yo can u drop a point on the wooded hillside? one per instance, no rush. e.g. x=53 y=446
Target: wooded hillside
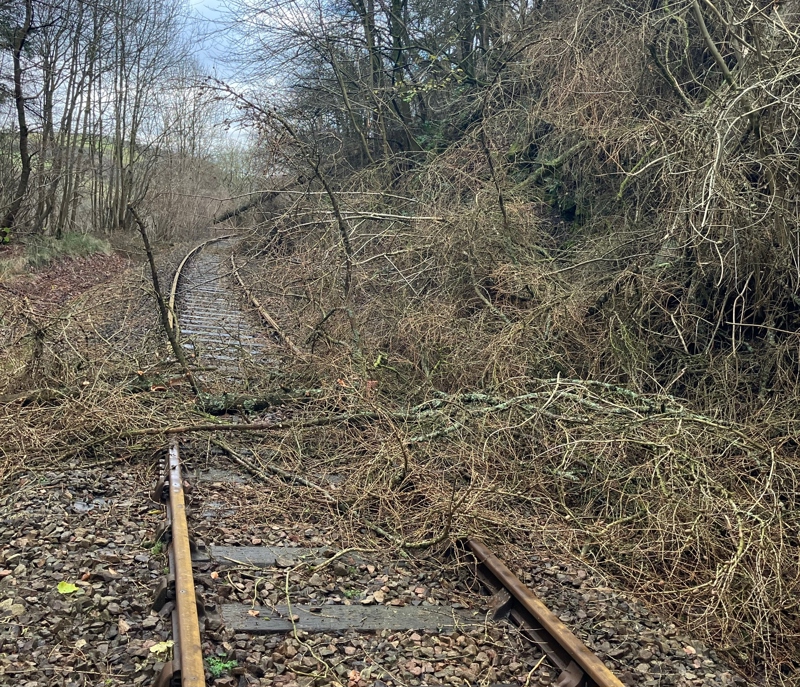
x=101 y=107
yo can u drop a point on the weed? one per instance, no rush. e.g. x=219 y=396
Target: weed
x=216 y=666
x=158 y=548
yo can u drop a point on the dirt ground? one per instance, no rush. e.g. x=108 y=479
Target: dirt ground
x=60 y=282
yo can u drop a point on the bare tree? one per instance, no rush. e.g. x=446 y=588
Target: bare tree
x=19 y=37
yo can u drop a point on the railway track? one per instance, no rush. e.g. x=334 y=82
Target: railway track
x=213 y=327
x=307 y=591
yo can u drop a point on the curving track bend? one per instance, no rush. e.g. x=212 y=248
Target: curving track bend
x=221 y=336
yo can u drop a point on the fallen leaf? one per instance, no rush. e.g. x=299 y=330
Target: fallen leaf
x=9 y=607
x=86 y=576
x=254 y=613
x=66 y=587
x=161 y=647
x=214 y=575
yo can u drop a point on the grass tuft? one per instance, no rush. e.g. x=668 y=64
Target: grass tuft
x=43 y=250
x=40 y=251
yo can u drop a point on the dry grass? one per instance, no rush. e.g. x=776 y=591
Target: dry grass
x=98 y=354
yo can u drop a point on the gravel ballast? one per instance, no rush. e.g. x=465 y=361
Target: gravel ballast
x=91 y=530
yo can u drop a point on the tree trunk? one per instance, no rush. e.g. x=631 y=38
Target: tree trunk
x=20 y=37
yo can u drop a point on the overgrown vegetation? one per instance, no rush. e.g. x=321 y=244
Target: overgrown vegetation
x=584 y=212
x=544 y=257
x=43 y=250
x=40 y=251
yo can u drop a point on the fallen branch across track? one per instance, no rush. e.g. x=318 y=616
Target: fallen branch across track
x=436 y=409
x=263 y=313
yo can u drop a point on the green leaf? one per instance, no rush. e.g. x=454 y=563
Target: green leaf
x=66 y=588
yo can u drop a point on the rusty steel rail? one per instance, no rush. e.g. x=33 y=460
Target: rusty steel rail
x=177 y=277
x=512 y=600
x=186 y=668
x=578 y=665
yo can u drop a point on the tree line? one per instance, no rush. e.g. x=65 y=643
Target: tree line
x=660 y=132
x=101 y=108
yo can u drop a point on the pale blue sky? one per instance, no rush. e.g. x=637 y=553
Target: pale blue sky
x=212 y=47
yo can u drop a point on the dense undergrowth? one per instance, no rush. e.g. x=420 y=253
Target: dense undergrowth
x=562 y=412
x=602 y=245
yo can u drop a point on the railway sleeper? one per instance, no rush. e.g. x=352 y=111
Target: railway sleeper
x=175 y=595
